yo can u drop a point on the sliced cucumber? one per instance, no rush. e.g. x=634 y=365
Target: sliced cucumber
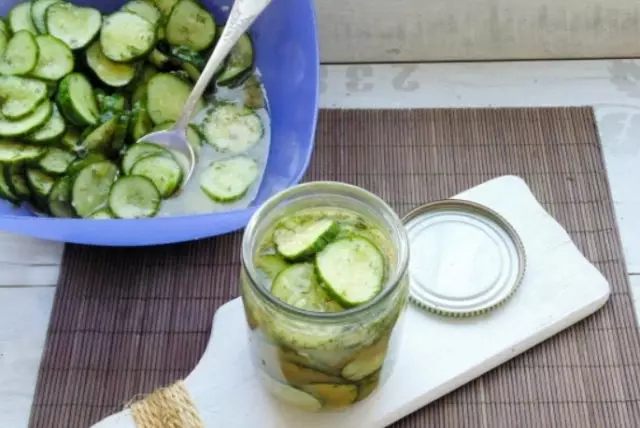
x=109 y=72
x=6 y=192
x=134 y=196
x=99 y=139
x=112 y=104
x=126 y=36
x=60 y=198
x=139 y=151
x=368 y=361
x=56 y=161
x=14 y=152
x=55 y=60
x=120 y=136
x=140 y=88
x=141 y=124
x=160 y=60
x=38 y=11
x=232 y=129
x=253 y=94
x=21 y=54
x=297 y=286
x=14 y=175
x=164 y=172
x=80 y=164
x=51 y=131
x=166 y=97
x=299 y=375
x=40 y=185
x=144 y=9
x=165 y=6
x=4 y=41
x=271 y=265
x=19 y=96
x=28 y=124
x=104 y=214
x=90 y=190
x=305 y=240
x=240 y=63
x=333 y=396
x=352 y=270
x=4 y=27
x=76 y=100
x=190 y=25
x=193 y=137
x=20 y=18
x=229 y=180
x=74 y=25
x=71 y=139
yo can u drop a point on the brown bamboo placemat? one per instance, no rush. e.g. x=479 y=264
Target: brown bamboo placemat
x=127 y=321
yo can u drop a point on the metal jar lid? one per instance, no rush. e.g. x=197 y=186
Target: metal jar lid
x=466 y=259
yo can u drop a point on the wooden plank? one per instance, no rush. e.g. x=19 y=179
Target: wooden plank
x=353 y=31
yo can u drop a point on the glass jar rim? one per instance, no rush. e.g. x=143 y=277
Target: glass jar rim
x=371 y=199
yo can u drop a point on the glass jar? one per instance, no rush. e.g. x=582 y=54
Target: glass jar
x=324 y=361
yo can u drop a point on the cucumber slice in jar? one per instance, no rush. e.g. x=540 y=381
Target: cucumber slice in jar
x=164 y=172
x=74 y=25
x=52 y=130
x=77 y=101
x=38 y=11
x=298 y=375
x=306 y=239
x=229 y=180
x=14 y=176
x=56 y=161
x=19 y=96
x=290 y=395
x=27 y=124
x=139 y=151
x=166 y=97
x=143 y=9
x=134 y=197
x=21 y=54
x=91 y=187
x=352 y=270
x=332 y=395
x=190 y=25
x=232 y=129
x=55 y=59
x=297 y=286
x=366 y=362
x=239 y=64
x=20 y=18
x=126 y=36
x=60 y=198
x=109 y=72
x=15 y=152
x=271 y=265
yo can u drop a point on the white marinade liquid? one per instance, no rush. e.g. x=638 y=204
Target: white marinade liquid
x=192 y=200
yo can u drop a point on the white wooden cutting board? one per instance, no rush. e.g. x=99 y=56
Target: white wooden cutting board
x=437 y=355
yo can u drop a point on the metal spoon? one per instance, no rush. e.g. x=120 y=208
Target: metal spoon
x=242 y=15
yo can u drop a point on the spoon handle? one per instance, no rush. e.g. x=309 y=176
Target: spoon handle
x=242 y=15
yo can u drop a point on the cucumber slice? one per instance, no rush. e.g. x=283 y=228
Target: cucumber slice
x=19 y=96
x=104 y=214
x=40 y=185
x=333 y=396
x=55 y=60
x=190 y=25
x=15 y=152
x=297 y=286
x=299 y=375
x=240 y=63
x=99 y=139
x=165 y=6
x=134 y=196
x=74 y=25
x=21 y=54
x=144 y=9
x=28 y=124
x=126 y=36
x=160 y=60
x=305 y=240
x=76 y=100
x=193 y=137
x=4 y=41
x=229 y=180
x=166 y=96
x=14 y=176
x=38 y=10
x=141 y=124
x=51 y=131
x=70 y=140
x=352 y=270
x=60 y=198
x=253 y=93
x=140 y=91
x=368 y=361
x=139 y=151
x=292 y=396
x=165 y=173
x=232 y=129
x=6 y=192
x=109 y=72
x=56 y=161
x=20 y=18
x=271 y=265
x=80 y=164
x=120 y=136
x=91 y=187
x=110 y=104
x=4 y=27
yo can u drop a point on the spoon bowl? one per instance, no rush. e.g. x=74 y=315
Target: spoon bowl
x=242 y=15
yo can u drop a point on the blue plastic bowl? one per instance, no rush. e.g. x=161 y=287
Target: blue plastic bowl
x=287 y=56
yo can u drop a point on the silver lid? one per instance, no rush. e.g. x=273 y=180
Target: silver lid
x=466 y=259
